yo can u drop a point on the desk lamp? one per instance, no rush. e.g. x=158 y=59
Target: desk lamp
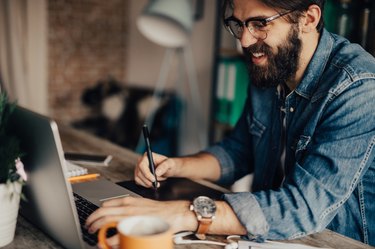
x=167 y=23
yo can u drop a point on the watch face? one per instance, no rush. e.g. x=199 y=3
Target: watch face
x=204 y=206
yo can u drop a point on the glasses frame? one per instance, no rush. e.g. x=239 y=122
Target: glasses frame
x=263 y=21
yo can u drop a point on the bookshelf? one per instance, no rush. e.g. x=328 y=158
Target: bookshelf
x=353 y=19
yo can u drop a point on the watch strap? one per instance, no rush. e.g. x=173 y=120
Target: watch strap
x=203 y=226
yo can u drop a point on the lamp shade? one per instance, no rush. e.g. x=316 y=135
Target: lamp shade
x=167 y=22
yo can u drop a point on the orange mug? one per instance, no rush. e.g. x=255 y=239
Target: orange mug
x=139 y=232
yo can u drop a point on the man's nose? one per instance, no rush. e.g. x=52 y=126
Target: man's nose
x=247 y=38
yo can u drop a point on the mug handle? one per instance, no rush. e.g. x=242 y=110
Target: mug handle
x=102 y=235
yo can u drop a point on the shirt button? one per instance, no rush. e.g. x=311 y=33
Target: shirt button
x=291 y=109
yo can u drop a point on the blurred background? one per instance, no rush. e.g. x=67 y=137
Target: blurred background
x=86 y=63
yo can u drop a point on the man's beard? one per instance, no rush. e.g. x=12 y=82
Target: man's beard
x=280 y=67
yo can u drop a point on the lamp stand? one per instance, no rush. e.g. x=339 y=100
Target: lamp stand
x=185 y=65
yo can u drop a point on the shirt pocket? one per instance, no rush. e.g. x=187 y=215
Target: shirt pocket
x=255 y=128
x=301 y=147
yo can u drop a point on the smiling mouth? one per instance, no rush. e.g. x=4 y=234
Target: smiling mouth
x=258 y=55
x=259 y=58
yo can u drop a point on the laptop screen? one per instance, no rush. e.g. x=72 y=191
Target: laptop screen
x=49 y=202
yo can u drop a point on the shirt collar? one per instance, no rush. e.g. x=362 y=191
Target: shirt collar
x=316 y=66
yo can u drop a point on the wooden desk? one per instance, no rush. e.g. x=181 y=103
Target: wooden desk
x=121 y=168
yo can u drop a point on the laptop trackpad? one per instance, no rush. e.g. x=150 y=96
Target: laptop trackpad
x=100 y=190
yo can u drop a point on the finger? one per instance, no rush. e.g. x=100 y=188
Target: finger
x=146 y=176
x=144 y=170
x=142 y=180
x=161 y=178
x=114 y=241
x=104 y=212
x=115 y=202
x=115 y=210
x=164 y=168
x=138 y=177
x=97 y=224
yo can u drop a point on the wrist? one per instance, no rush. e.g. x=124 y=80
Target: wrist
x=185 y=220
x=178 y=167
x=204 y=209
x=227 y=220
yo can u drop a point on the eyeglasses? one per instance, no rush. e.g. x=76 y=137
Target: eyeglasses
x=256 y=26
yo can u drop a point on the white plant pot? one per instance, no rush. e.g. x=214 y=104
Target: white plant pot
x=9 y=204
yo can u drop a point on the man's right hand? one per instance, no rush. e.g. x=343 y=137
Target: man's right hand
x=165 y=167
x=199 y=166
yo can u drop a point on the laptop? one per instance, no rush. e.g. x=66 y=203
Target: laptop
x=52 y=201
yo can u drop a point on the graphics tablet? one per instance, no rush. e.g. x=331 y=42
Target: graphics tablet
x=173 y=189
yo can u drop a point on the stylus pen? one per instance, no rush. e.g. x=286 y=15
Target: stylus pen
x=149 y=154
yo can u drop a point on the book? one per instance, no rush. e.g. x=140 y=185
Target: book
x=74 y=169
x=238 y=81
x=231 y=91
x=221 y=112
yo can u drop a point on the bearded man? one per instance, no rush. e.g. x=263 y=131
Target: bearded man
x=307 y=133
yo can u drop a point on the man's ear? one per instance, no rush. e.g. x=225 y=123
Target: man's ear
x=311 y=18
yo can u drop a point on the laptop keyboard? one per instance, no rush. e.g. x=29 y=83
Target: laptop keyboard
x=84 y=209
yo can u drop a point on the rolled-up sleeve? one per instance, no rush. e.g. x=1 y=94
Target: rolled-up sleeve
x=249 y=213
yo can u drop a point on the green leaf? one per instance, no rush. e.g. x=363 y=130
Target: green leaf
x=10 y=145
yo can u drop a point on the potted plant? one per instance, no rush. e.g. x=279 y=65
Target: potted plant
x=12 y=174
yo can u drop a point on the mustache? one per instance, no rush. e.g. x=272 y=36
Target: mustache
x=257 y=48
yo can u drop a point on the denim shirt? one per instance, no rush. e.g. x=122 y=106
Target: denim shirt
x=329 y=166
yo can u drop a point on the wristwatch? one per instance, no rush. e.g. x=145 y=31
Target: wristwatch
x=204 y=209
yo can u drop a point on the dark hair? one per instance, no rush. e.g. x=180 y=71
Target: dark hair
x=298 y=7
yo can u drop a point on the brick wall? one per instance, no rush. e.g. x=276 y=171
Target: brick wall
x=87 y=43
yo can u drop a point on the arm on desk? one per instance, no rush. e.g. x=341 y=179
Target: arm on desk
x=176 y=213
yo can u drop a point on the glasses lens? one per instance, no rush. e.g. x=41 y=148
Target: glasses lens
x=257 y=29
x=235 y=28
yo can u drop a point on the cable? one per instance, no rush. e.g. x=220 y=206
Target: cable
x=179 y=240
